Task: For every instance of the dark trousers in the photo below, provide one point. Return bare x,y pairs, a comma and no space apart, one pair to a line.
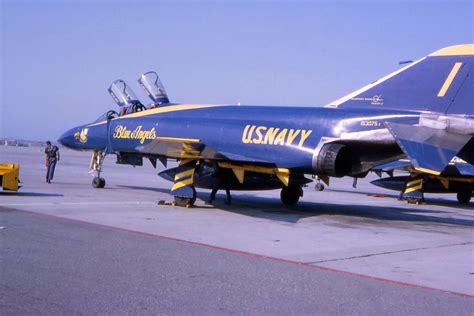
213,195
50,171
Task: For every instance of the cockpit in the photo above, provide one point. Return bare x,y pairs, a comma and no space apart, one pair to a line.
127,100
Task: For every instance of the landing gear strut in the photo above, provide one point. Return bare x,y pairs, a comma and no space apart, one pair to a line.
96,168
184,201
290,195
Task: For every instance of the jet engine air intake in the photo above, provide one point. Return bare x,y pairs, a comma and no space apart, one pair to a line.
335,160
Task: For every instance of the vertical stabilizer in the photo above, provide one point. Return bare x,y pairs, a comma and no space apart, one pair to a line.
442,82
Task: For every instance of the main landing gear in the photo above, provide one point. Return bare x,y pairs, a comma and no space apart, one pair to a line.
464,197
96,166
186,201
290,195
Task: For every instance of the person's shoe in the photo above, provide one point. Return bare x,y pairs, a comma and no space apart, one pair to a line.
49,181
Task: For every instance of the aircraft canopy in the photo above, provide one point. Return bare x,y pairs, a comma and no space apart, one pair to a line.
122,94
153,87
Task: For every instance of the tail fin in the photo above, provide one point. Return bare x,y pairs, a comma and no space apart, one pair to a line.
441,82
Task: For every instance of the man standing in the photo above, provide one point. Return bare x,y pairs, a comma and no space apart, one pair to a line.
51,156
221,181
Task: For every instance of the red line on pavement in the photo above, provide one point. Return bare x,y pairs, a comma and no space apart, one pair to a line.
250,254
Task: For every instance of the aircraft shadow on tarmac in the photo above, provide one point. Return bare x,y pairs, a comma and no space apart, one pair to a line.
135,187
272,209
29,194
429,200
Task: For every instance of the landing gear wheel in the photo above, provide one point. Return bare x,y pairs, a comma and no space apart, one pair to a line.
464,197
98,183
291,195
184,201
319,187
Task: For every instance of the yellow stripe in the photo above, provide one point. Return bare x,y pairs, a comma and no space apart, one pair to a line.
185,161
457,179
177,139
458,50
445,183
424,170
183,174
411,183
181,184
449,80
164,109
259,169
413,189
171,108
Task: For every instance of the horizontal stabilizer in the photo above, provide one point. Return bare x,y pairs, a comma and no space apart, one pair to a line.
429,150
394,165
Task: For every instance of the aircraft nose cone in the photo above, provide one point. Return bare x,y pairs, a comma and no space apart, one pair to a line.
67,139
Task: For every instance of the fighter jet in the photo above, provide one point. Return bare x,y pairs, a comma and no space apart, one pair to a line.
423,112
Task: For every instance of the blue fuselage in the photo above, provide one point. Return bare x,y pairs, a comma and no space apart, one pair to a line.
284,136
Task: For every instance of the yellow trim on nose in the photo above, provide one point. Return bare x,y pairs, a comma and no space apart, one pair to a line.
170,108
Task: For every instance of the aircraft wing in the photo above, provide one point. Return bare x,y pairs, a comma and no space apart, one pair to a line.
187,148
180,148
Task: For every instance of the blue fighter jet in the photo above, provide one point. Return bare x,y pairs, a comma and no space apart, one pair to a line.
423,113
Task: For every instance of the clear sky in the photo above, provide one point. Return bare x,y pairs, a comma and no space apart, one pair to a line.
59,57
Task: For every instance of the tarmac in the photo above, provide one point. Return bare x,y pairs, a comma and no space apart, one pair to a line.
70,248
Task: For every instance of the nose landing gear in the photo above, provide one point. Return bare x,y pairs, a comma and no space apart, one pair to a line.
96,166
98,182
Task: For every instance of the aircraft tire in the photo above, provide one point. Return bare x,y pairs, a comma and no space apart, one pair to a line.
464,197
290,195
185,202
319,187
98,183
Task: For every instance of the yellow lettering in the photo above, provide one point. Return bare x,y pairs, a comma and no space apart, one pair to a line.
291,136
258,131
304,135
142,135
270,135
247,135
280,140
117,131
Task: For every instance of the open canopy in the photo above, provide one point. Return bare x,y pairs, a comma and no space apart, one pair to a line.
153,87
122,94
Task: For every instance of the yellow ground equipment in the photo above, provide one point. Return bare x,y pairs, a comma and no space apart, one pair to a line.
9,177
